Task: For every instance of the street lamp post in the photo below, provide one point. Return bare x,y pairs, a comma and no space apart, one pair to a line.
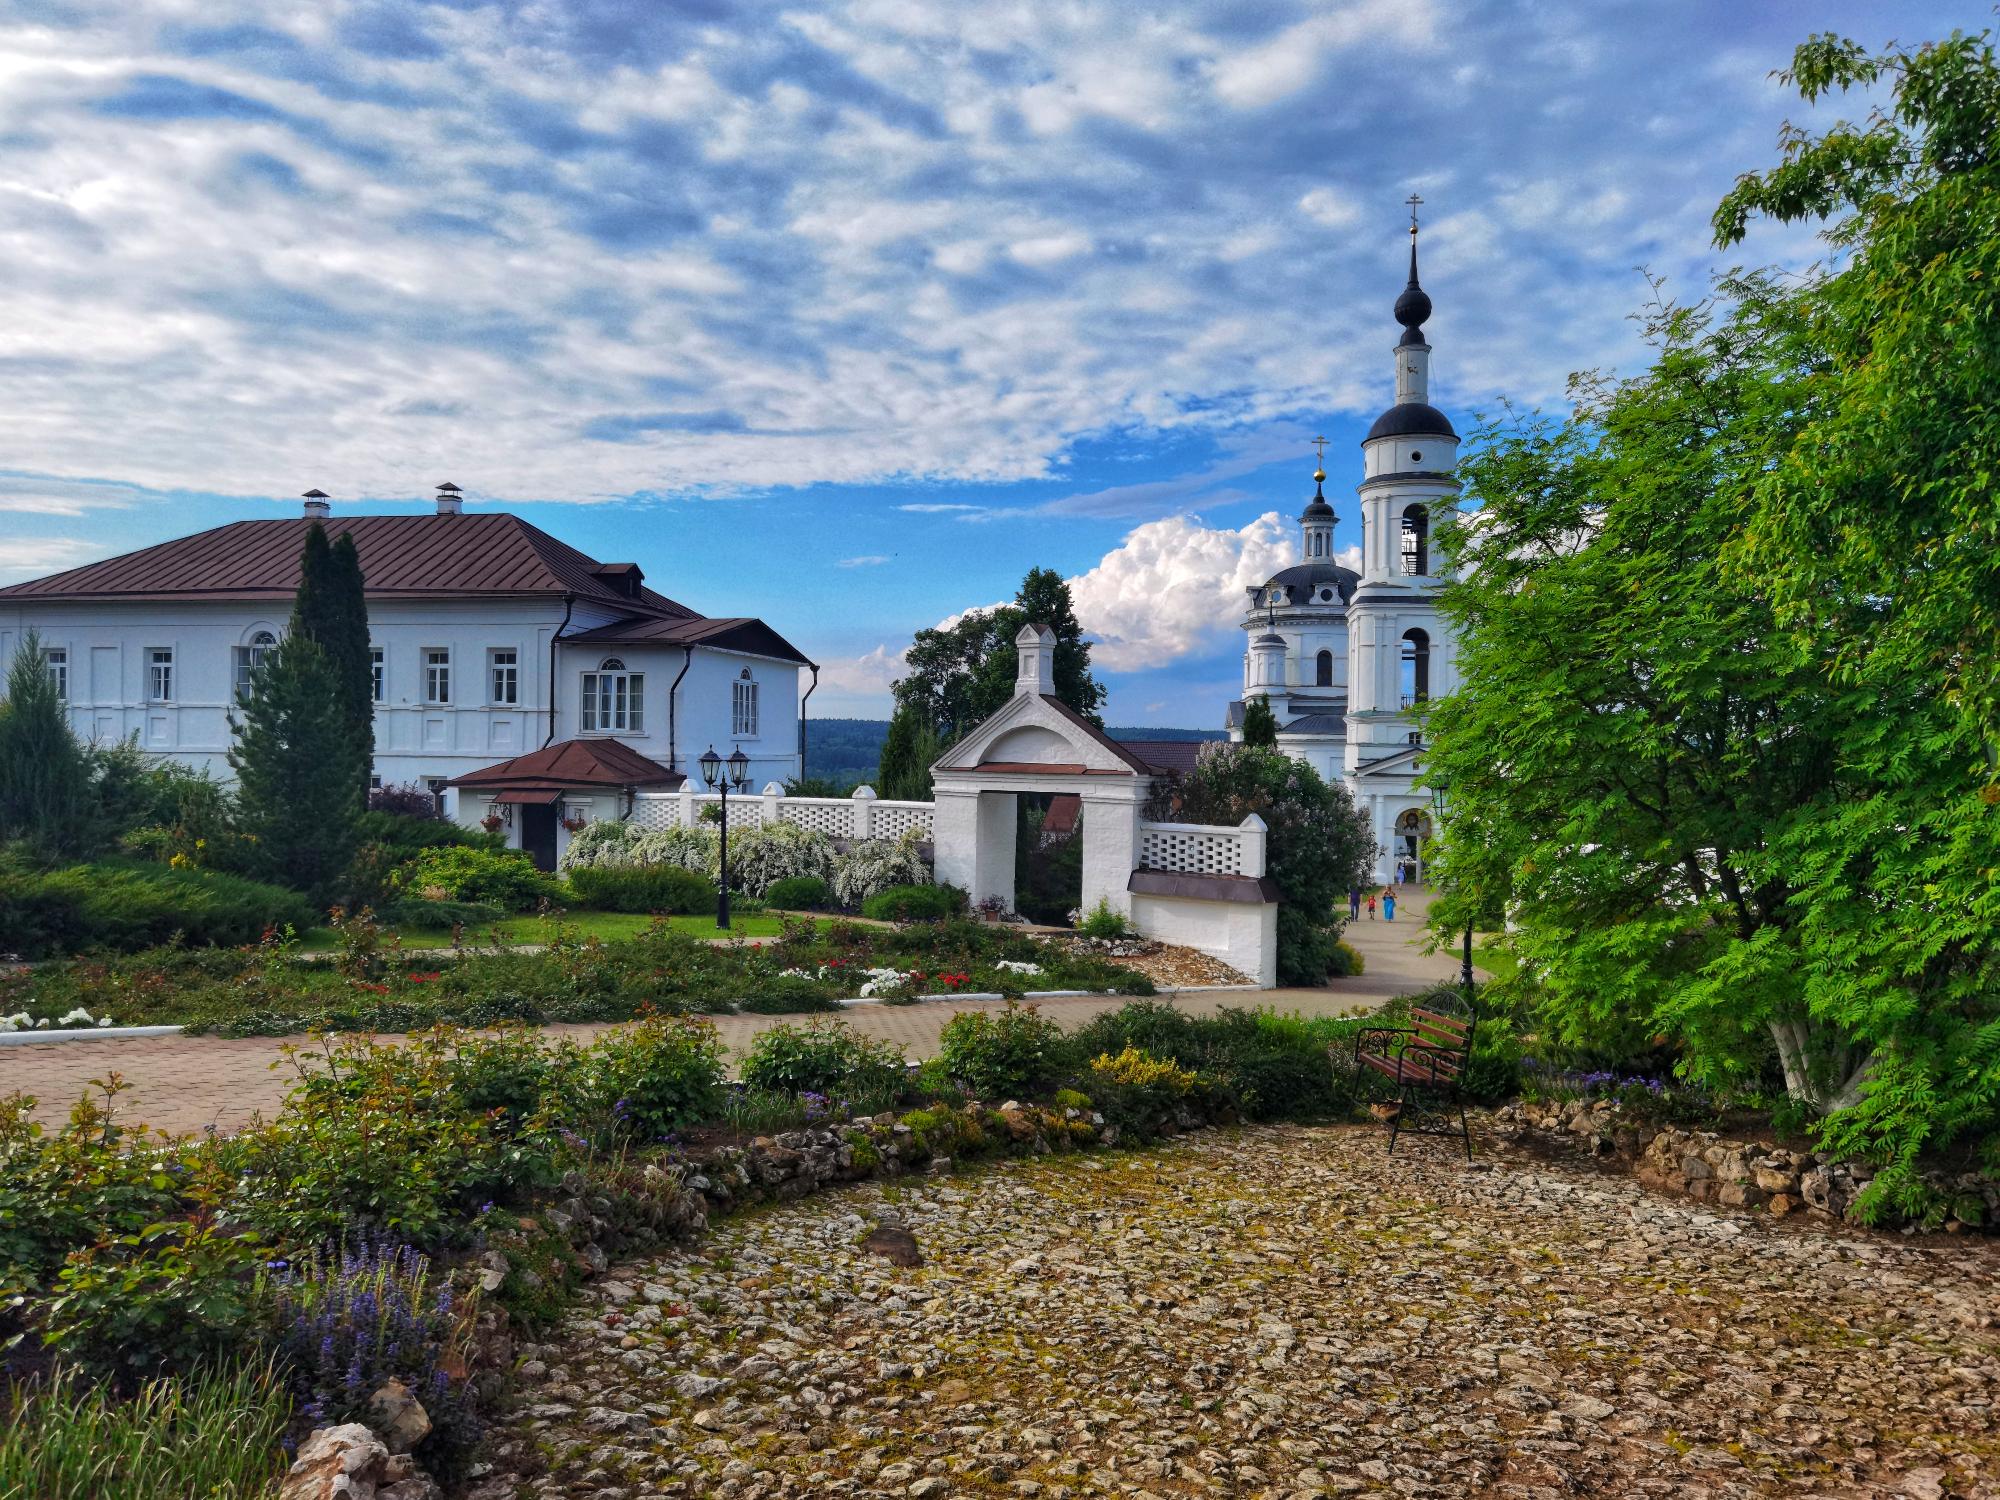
715,771
1440,790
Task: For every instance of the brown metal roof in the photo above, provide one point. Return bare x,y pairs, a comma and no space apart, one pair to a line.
1097,734
737,633
1171,757
415,556
570,763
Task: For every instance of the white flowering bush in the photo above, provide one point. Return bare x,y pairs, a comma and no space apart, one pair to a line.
76,1019
784,851
697,849
1017,966
876,864
599,844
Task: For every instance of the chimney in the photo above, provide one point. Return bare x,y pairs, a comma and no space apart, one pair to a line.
316,507
450,501
1035,671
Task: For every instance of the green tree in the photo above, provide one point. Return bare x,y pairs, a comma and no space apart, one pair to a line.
964,673
1319,843
295,794
908,752
47,800
331,609
1260,725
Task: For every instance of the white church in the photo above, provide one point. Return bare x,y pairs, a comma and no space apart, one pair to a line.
1343,658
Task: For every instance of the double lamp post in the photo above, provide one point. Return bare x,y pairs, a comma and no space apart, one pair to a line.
737,769
1440,790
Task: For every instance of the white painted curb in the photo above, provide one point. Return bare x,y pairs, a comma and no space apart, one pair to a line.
85,1034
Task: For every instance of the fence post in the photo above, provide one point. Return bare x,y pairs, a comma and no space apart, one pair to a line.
1252,834
864,811
687,804
773,798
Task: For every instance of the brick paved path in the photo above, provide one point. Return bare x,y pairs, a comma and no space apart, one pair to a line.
183,1084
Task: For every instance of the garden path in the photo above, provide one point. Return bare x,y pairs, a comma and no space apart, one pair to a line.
182,1085
1273,1312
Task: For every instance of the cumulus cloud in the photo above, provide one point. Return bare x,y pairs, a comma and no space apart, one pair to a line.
31,557
598,251
1175,586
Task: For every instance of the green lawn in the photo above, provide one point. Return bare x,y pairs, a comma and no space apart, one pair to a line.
608,926
1496,960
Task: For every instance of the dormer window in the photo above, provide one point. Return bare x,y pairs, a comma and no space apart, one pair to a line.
614,699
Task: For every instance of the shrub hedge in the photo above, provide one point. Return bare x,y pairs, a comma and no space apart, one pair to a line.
456,872
798,893
123,905
642,888
914,903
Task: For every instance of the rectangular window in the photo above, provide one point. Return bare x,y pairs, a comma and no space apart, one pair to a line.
743,711
376,673
58,663
160,674
614,702
506,676
248,659
435,786
437,676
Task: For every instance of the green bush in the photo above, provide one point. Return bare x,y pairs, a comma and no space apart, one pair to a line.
914,903
412,835
1016,1050
642,888
657,1076
821,1058
1271,1066
798,893
1103,922
453,872
786,995
215,1434
1345,961
421,914
124,905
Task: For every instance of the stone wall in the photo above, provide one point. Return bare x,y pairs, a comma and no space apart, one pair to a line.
1704,1166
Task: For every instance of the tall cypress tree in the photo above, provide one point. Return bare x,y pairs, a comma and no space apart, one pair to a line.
46,796
332,611
297,800
1260,725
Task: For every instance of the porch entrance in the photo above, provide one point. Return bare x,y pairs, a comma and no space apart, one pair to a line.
538,833
1048,857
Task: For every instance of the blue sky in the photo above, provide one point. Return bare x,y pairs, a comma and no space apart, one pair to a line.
841,315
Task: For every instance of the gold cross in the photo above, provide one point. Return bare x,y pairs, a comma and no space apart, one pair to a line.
1320,444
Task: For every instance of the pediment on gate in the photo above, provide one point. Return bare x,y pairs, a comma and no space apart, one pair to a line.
1038,735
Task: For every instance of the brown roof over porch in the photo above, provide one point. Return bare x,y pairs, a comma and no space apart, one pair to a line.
572,763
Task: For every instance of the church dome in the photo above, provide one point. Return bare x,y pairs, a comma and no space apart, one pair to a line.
1306,582
1412,419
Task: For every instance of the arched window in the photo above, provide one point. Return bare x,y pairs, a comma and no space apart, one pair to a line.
249,657
1325,669
1416,541
614,700
1416,673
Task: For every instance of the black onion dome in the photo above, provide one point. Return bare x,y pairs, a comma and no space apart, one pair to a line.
1306,579
1269,639
1413,308
1316,508
1412,419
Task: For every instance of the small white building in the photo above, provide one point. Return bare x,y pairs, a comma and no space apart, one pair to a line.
1343,657
505,661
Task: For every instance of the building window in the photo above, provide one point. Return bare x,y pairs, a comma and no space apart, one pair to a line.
57,660
1416,667
374,783
1416,541
1325,669
160,674
376,672
614,700
435,785
506,675
743,709
437,675
248,659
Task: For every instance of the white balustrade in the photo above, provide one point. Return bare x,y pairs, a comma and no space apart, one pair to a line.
862,816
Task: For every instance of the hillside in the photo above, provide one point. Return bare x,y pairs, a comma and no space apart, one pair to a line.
848,750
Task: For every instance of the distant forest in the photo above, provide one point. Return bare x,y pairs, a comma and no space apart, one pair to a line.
848,750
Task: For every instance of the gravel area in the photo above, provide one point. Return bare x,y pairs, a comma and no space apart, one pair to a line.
1273,1312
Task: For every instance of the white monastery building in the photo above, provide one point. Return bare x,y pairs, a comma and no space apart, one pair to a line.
514,676
1343,658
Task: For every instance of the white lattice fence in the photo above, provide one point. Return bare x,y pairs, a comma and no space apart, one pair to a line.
654,810
828,815
1190,848
891,820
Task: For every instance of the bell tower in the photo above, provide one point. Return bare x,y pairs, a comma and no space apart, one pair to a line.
1398,648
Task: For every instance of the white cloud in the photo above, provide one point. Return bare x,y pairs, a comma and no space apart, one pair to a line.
31,557
1325,206
870,561
1175,586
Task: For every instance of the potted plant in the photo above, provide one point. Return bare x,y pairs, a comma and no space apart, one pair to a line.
493,822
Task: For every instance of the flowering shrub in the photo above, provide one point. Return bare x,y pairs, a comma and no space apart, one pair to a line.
758,857
347,1319
876,864
600,844
1016,1050
824,1059
659,1075
1136,1069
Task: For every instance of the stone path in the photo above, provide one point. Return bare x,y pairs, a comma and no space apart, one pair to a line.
1272,1312
184,1084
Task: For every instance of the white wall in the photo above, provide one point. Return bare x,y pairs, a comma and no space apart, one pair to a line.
1243,935
702,704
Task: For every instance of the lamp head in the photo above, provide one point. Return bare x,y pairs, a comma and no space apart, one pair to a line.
711,766
739,769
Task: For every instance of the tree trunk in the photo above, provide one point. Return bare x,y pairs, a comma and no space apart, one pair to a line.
1821,1068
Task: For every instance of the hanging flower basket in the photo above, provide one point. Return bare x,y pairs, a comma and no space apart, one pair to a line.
575,822
493,822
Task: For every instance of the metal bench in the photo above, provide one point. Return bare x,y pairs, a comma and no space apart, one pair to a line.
1426,1072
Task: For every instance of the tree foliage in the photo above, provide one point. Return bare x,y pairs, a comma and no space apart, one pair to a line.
1260,725
963,673
296,797
1319,843
908,752
332,609
1727,645
47,798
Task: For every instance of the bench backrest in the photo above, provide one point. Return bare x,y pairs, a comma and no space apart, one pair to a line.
1451,1032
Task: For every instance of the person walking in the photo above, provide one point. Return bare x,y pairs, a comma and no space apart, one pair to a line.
1388,903
1354,903
1371,906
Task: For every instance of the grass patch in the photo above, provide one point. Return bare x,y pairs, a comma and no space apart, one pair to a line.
605,926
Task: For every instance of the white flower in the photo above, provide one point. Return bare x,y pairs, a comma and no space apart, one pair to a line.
19,1021
79,1016
1018,966
104,1020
